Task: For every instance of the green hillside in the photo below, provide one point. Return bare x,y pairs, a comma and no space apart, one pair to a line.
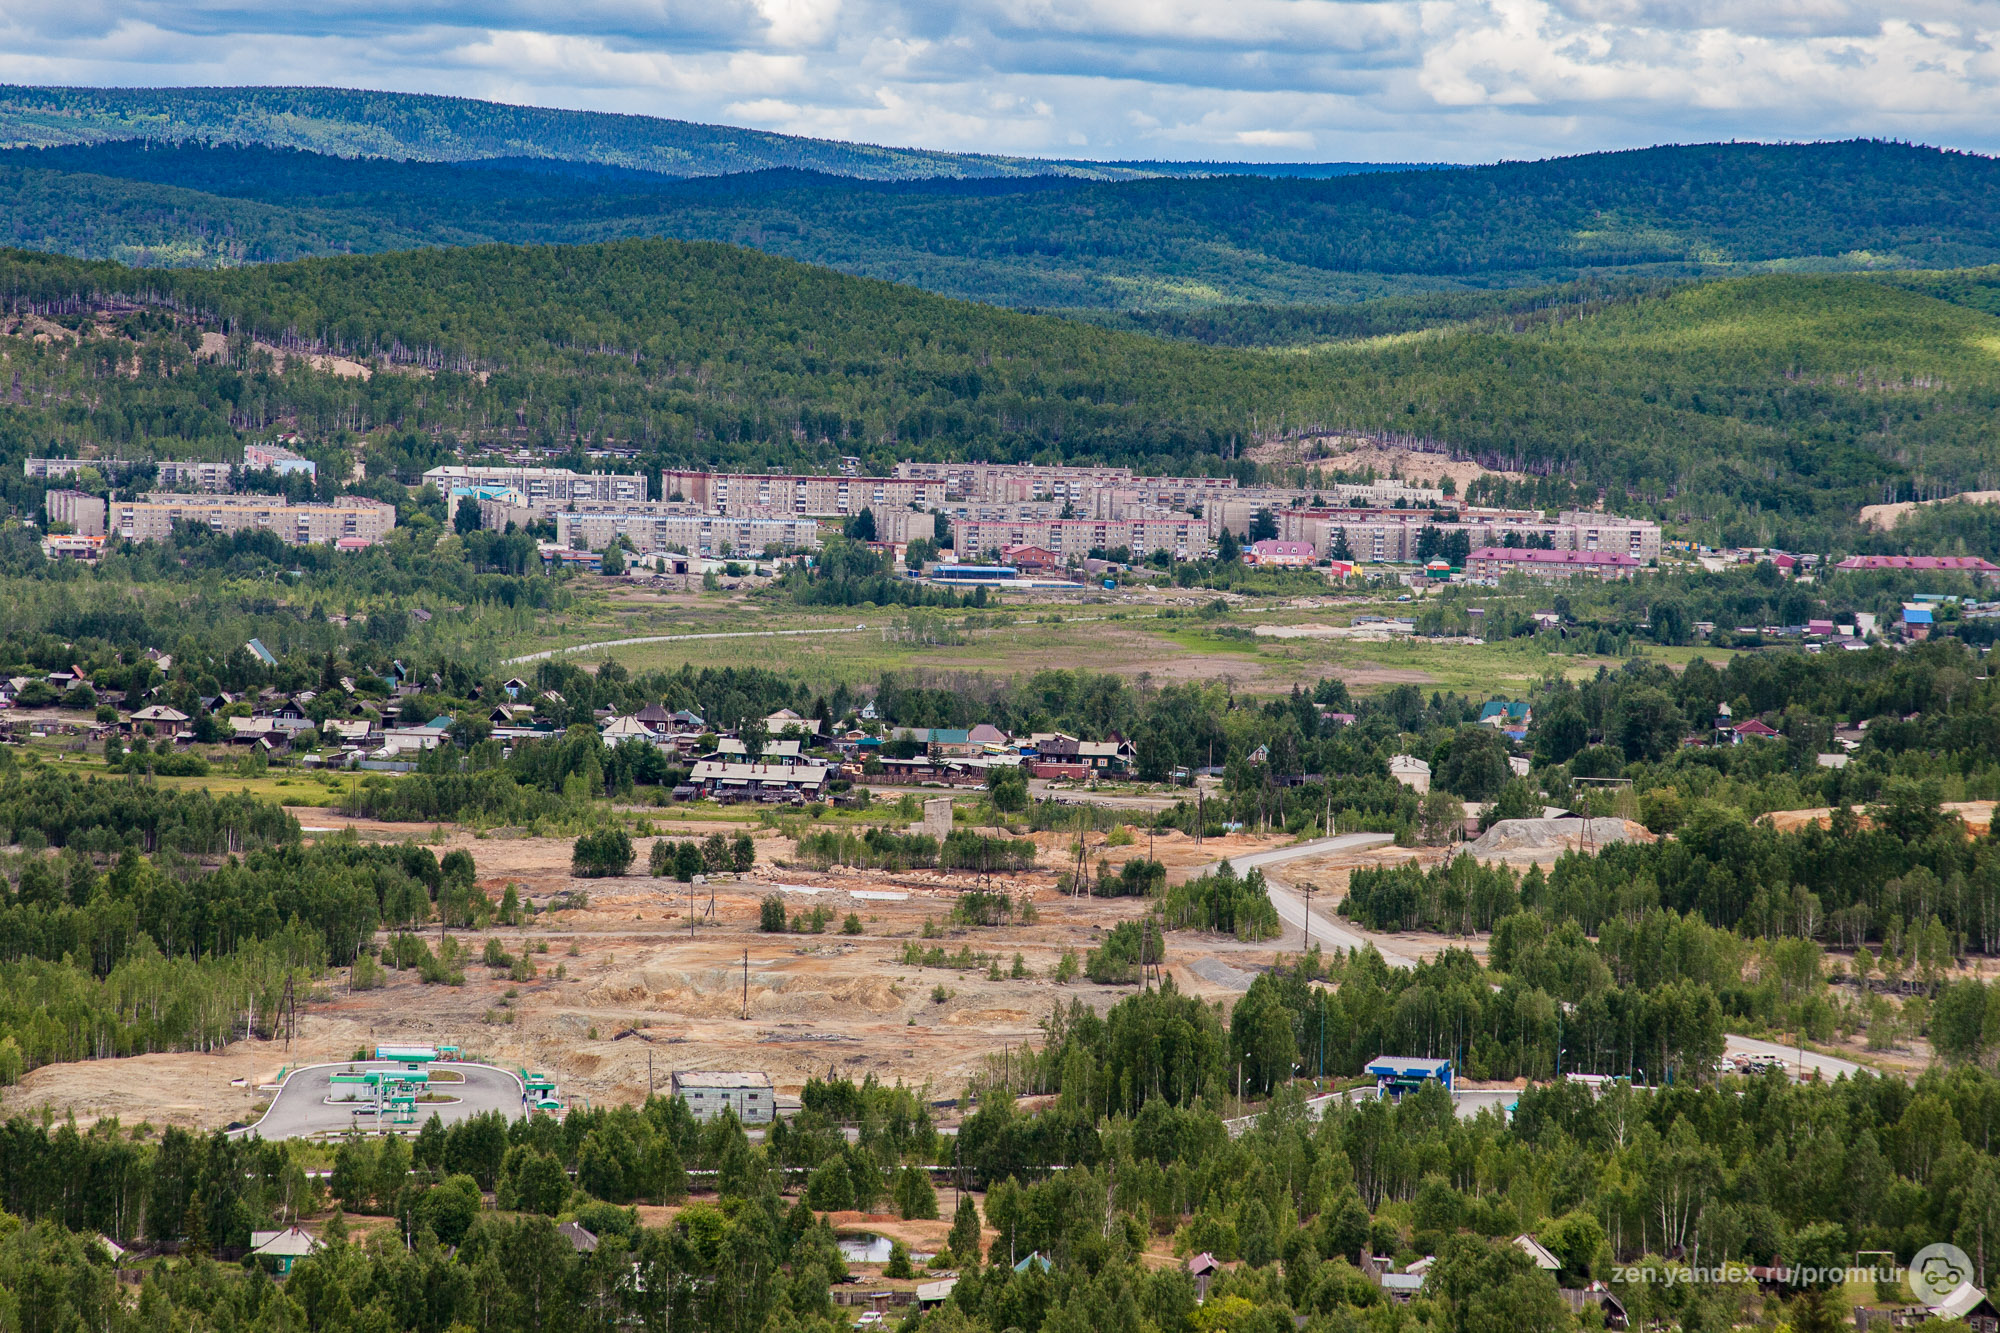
1059,243
1754,409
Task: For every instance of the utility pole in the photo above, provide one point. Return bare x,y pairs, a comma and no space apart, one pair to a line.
649,1073
746,985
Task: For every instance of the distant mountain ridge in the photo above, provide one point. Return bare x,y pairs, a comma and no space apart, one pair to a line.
1060,242
346,122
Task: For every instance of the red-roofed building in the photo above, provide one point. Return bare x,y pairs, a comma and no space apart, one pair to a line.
1036,559
1295,555
1489,562
1755,728
1932,564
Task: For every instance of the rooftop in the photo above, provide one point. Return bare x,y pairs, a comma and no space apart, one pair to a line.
716,1078
1524,555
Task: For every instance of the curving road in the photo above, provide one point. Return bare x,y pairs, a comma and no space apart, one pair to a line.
300,1110
1291,904
1334,931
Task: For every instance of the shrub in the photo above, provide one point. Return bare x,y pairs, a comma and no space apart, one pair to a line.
601,853
660,861
851,926
687,861
771,914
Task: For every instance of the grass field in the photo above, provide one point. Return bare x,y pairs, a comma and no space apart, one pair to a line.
1128,637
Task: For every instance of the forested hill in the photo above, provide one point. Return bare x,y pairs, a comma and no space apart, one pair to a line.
1050,241
351,122
1762,409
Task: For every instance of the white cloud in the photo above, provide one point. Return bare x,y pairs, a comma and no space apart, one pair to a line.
1464,80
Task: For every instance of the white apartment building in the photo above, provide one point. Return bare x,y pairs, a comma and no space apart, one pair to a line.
1183,536
712,535
1008,483
196,474
1393,535
547,489
57,469
799,495
349,522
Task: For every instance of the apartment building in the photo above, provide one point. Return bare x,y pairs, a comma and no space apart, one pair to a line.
1490,562
1237,509
738,493
1636,537
1008,483
1394,535
546,489
1183,536
84,513
713,535
350,522
196,474
60,469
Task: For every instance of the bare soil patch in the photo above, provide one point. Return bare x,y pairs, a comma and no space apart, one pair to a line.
642,994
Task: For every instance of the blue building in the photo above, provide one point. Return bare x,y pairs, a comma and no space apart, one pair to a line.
1396,1075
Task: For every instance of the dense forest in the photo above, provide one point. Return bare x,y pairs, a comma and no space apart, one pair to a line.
1758,410
1132,1148
1053,241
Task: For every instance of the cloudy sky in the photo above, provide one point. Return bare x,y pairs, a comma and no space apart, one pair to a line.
1305,80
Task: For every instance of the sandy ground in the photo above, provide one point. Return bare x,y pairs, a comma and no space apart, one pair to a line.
1888,516
1978,816
642,995
1353,453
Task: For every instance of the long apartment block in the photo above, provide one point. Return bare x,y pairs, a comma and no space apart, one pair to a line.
713,535
1006,483
1183,536
1393,535
546,489
801,496
348,522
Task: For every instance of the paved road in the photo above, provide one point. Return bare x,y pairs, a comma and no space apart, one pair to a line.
1333,931
1829,1066
300,1109
1328,930
1466,1104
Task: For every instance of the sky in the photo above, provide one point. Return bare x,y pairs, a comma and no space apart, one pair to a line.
1249,80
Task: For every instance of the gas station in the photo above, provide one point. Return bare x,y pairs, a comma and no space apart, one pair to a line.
398,1089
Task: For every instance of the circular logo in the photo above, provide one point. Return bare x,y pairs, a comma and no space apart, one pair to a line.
1938,1271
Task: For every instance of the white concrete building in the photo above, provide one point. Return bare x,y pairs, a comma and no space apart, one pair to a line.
709,1093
